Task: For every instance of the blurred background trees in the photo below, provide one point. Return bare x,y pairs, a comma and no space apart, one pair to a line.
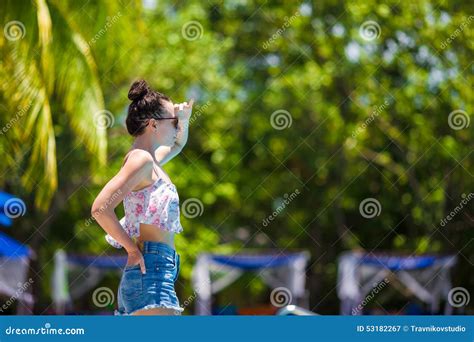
337,102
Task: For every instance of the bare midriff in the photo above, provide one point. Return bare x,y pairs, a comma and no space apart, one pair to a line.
150,232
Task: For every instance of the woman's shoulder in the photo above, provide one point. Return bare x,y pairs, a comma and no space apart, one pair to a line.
138,157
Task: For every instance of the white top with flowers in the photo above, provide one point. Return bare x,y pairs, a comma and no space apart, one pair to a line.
157,204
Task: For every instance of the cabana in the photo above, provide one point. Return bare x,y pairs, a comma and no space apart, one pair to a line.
14,266
214,272
14,262
5,220
75,275
427,277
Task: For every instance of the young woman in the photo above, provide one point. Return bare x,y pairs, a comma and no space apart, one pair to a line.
151,204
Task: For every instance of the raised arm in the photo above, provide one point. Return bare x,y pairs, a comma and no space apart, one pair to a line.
183,112
166,153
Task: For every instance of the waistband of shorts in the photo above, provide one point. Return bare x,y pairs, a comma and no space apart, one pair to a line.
156,247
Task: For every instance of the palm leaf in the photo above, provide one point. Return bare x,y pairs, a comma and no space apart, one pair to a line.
50,72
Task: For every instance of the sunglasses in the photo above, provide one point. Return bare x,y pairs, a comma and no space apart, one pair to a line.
175,121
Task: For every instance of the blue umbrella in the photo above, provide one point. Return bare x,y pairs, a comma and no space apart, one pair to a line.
10,207
11,248
4,219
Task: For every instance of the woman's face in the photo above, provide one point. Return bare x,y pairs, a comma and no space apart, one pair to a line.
166,130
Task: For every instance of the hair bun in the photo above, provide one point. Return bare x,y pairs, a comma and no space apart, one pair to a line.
138,90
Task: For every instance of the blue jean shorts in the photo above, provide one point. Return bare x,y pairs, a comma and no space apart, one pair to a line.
155,289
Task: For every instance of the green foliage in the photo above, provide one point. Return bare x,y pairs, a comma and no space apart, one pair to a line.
369,119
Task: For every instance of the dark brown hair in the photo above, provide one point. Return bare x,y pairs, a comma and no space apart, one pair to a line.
146,104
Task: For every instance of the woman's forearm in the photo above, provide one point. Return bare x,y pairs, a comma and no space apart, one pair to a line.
182,134
111,225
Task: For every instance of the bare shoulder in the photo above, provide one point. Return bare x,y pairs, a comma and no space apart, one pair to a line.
137,159
135,172
137,169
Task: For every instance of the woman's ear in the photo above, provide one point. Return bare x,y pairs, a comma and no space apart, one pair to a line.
153,124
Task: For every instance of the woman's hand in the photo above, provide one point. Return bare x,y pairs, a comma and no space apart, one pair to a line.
135,257
183,110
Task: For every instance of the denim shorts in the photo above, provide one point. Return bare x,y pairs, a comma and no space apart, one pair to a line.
155,289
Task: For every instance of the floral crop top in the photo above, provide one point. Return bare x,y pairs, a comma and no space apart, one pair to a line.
156,204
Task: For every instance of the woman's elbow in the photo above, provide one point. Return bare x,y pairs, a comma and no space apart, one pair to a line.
97,209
